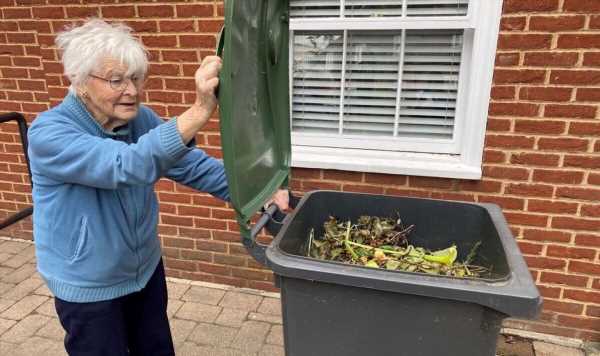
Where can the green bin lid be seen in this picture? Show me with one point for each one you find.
(254, 103)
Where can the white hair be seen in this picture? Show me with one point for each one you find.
(85, 47)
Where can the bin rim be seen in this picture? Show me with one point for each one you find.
(515, 296)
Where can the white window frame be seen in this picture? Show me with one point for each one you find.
(460, 157)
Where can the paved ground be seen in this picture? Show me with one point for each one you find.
(509, 345)
(206, 320)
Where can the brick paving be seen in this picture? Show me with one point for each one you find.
(206, 319)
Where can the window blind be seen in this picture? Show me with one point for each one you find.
(389, 83)
(437, 7)
(317, 78)
(370, 84)
(377, 8)
(314, 8)
(431, 69)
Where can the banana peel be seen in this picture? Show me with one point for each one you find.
(372, 264)
(446, 256)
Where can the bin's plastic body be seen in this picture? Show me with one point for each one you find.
(334, 309)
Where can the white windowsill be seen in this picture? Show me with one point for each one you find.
(404, 163)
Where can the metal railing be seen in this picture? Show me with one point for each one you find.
(22, 123)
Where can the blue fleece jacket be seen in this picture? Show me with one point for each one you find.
(96, 213)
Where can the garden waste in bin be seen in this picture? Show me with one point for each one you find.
(334, 309)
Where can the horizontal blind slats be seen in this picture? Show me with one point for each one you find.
(429, 87)
(429, 8)
(378, 113)
(425, 70)
(314, 8)
(316, 116)
(377, 8)
(303, 83)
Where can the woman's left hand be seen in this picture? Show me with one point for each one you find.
(282, 199)
(207, 80)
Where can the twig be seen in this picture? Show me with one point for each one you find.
(472, 253)
(367, 247)
(310, 240)
(347, 243)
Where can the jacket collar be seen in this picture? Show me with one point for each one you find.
(83, 116)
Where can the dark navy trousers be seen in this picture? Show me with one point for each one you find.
(132, 325)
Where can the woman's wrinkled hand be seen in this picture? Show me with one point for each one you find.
(282, 199)
(207, 80)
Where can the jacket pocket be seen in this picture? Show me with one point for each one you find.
(68, 242)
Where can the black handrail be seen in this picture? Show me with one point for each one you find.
(22, 123)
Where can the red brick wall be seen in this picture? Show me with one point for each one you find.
(541, 156)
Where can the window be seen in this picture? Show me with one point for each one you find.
(391, 86)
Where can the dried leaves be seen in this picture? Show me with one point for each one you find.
(383, 243)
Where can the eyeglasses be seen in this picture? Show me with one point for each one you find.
(120, 83)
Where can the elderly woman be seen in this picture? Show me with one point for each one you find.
(95, 159)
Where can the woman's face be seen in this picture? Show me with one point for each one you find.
(112, 98)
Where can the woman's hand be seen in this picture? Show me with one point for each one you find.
(207, 80)
(282, 199)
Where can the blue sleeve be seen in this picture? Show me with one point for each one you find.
(63, 152)
(198, 170)
(202, 172)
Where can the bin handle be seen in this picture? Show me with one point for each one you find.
(266, 216)
(256, 249)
